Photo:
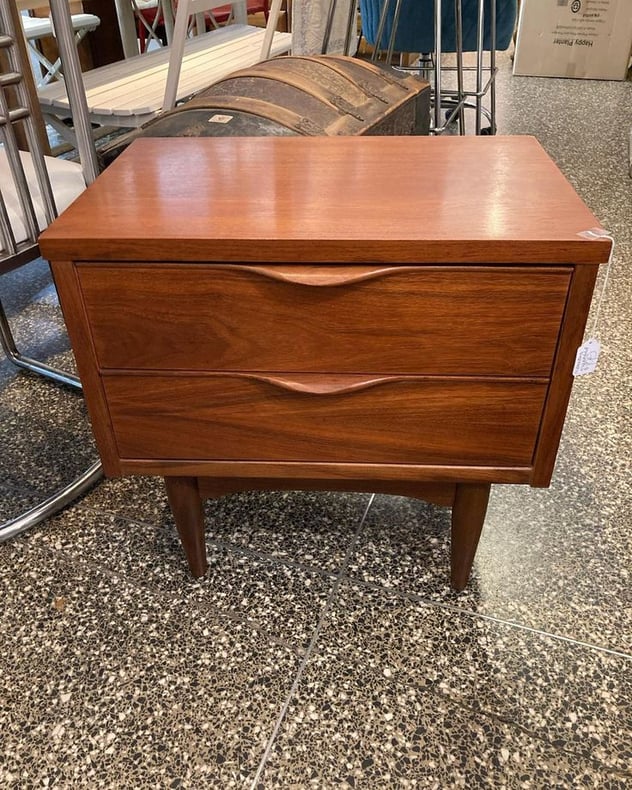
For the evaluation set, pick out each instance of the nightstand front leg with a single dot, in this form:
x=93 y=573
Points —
x=468 y=514
x=186 y=505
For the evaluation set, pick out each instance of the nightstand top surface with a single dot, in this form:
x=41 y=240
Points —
x=330 y=199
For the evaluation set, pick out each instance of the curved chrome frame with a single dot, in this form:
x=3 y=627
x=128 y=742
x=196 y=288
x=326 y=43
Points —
x=17 y=254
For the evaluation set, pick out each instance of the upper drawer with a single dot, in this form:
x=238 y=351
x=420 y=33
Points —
x=348 y=319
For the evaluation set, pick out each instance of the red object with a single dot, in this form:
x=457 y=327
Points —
x=220 y=16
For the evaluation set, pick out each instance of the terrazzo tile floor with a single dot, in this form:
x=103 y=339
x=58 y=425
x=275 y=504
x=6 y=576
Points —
x=324 y=648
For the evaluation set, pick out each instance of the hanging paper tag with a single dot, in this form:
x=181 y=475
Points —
x=586 y=358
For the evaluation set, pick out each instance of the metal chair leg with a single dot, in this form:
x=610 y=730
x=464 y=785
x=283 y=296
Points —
x=65 y=495
x=56 y=502
x=35 y=366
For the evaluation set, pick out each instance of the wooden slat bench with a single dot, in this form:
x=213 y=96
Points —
x=130 y=92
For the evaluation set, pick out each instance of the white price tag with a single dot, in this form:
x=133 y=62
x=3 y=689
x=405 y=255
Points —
x=221 y=118
x=587 y=357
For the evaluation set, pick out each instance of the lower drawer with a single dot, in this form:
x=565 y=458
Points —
x=406 y=420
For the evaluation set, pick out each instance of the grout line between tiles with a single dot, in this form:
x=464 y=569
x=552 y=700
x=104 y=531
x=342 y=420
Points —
x=310 y=648
x=492 y=618
x=143 y=588
x=531 y=629
x=536 y=734
x=233 y=547
x=273 y=558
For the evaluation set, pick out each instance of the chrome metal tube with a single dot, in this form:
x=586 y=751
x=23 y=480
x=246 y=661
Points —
x=7 y=341
x=351 y=25
x=437 y=68
x=391 y=40
x=480 y=34
x=25 y=102
x=380 y=30
x=458 y=28
x=19 y=177
x=328 y=26
x=492 y=66
x=56 y=502
x=8 y=247
x=75 y=88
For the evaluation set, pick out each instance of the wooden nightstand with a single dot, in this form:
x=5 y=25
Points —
x=383 y=314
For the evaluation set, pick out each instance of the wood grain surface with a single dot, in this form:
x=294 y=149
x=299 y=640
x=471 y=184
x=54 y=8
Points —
x=441 y=320
x=336 y=199
x=388 y=420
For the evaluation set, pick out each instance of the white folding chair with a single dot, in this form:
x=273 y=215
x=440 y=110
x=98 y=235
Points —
x=33 y=189
x=36 y=28
x=149 y=18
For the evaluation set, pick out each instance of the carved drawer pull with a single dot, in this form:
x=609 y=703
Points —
x=321 y=276
x=329 y=385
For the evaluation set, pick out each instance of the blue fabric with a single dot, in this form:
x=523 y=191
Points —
x=415 y=31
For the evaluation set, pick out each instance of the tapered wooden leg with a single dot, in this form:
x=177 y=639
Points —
x=186 y=506
x=468 y=514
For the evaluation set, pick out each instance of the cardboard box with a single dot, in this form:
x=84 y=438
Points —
x=585 y=39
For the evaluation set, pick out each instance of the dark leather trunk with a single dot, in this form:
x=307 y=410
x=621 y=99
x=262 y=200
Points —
x=316 y=95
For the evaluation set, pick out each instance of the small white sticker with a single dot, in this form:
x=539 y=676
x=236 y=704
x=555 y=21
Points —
x=221 y=118
x=595 y=233
x=586 y=358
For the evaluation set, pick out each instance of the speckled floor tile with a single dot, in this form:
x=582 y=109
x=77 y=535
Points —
x=143 y=499
x=309 y=528
x=46 y=436
x=26 y=285
x=16 y=500
x=343 y=734
x=545 y=562
x=592 y=154
x=281 y=600
x=400 y=694
x=39 y=331
x=104 y=684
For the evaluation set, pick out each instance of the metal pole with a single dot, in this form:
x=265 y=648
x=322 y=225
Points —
x=492 y=68
x=380 y=30
x=351 y=24
x=53 y=504
x=480 y=32
x=167 y=16
x=127 y=27
x=391 y=41
x=74 y=87
x=437 y=80
x=458 y=23
x=271 y=26
x=328 y=26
